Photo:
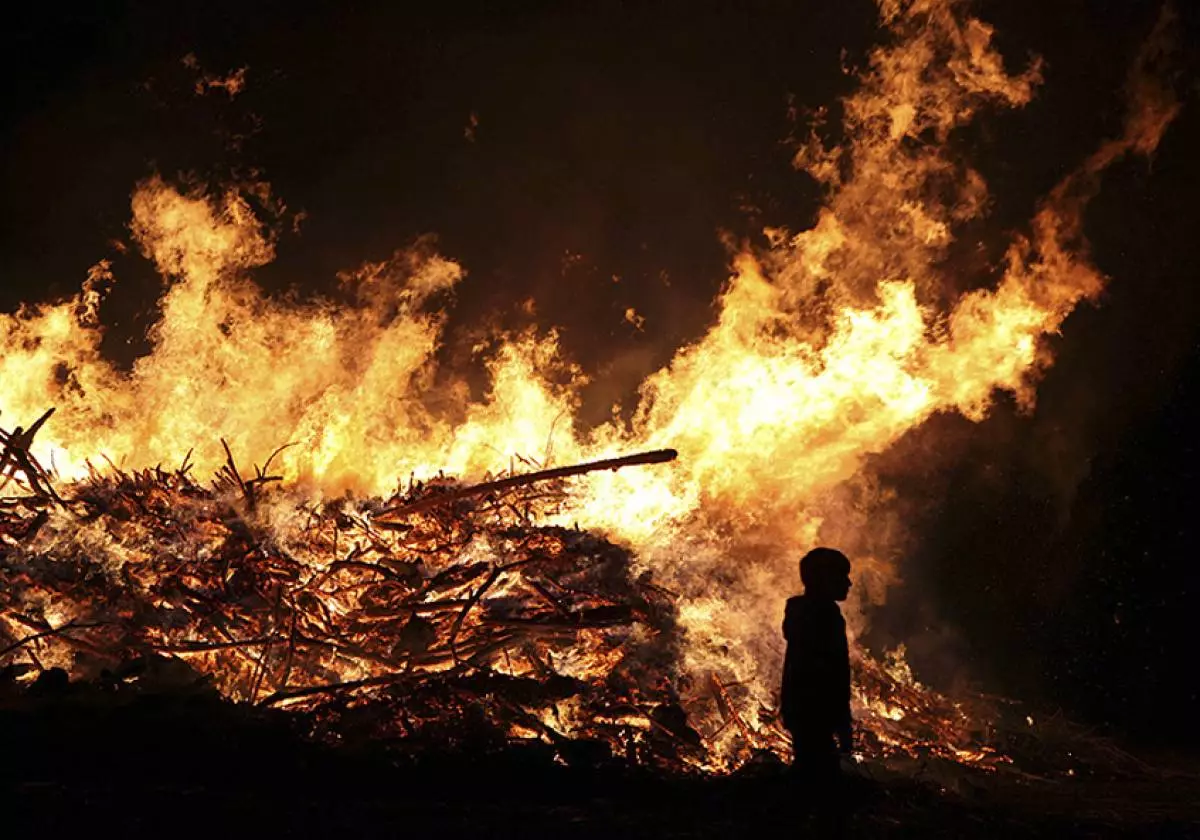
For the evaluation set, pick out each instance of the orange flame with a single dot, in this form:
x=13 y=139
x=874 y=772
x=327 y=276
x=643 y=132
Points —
x=827 y=347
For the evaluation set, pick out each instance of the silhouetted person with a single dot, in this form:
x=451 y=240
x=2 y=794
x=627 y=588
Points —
x=815 y=698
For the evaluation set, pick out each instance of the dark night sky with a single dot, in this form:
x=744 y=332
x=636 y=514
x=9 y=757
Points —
x=1057 y=554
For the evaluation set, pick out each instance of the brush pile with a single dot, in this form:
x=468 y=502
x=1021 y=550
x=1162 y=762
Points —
x=443 y=618
x=461 y=622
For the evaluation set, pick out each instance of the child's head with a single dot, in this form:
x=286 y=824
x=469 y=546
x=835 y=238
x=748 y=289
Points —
x=825 y=573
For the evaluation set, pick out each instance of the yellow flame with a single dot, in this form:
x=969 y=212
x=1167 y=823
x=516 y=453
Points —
x=826 y=348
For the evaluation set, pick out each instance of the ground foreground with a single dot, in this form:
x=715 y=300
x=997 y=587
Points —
x=183 y=766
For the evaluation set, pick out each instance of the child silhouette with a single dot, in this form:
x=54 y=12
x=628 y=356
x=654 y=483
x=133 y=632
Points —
x=815 y=698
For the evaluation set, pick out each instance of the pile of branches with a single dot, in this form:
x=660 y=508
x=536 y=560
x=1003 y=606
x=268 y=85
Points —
x=443 y=616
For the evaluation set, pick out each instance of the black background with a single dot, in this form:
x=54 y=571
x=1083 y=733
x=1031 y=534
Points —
x=1055 y=554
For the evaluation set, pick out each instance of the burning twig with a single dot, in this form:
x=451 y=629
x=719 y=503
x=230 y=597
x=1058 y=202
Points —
x=472 y=601
x=15 y=457
x=729 y=710
x=46 y=634
x=229 y=476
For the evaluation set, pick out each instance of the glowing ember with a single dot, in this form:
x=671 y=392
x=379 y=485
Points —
x=826 y=348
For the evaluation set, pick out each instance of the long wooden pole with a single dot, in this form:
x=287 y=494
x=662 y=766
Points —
x=657 y=456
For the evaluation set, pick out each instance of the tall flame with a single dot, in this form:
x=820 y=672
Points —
x=827 y=347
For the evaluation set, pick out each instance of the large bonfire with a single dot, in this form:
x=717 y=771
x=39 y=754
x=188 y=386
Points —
x=635 y=608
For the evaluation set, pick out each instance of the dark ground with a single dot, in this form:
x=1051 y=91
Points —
x=85 y=762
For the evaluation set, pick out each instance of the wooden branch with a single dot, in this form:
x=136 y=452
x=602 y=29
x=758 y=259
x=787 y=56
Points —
x=205 y=647
x=53 y=631
x=729 y=710
x=329 y=688
x=657 y=456
x=471 y=601
x=230 y=475
x=15 y=457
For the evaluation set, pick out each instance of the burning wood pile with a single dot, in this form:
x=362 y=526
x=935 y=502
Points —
x=443 y=617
